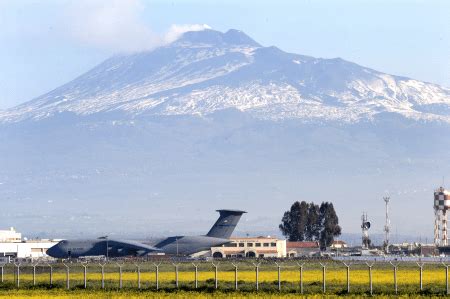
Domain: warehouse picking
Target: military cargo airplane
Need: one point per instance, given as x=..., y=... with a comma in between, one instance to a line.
x=218, y=235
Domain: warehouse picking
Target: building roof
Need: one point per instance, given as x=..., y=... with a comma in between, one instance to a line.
x=340, y=242
x=302, y=244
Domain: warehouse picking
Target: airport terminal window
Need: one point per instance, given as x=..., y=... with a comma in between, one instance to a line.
x=266, y=244
x=258, y=245
x=273, y=244
x=241, y=244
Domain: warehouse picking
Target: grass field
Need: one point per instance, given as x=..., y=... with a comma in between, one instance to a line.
x=434, y=280
x=180, y=294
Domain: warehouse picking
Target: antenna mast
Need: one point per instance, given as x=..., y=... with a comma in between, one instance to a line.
x=387, y=225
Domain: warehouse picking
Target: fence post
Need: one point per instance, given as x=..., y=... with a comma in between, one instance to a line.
x=348, y=275
x=50, y=274
x=34, y=274
x=85, y=274
x=102, y=266
x=301, y=276
x=395, y=265
x=447, y=290
x=138, y=271
x=157, y=275
x=120, y=274
x=279, y=275
x=257, y=275
x=370, y=265
x=216, y=278
x=2, y=273
x=67, y=276
x=324, y=284
x=18, y=274
x=420, y=264
x=235, y=275
x=446, y=279
x=176, y=274
x=195, y=275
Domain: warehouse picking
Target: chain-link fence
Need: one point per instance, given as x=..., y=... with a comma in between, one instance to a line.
x=300, y=276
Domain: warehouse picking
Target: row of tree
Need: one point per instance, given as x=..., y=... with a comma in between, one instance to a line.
x=311, y=222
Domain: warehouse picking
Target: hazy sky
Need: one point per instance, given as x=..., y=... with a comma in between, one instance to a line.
x=44, y=44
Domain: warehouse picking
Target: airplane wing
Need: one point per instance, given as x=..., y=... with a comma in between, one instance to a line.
x=131, y=247
x=138, y=245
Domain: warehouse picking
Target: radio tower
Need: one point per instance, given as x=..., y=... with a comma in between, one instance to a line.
x=387, y=225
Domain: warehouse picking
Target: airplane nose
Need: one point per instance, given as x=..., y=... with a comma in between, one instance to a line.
x=54, y=251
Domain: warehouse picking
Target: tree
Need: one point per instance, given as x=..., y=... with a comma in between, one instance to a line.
x=313, y=226
x=309, y=222
x=293, y=223
x=329, y=224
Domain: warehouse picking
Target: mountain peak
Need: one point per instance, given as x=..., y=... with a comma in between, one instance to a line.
x=208, y=71
x=214, y=37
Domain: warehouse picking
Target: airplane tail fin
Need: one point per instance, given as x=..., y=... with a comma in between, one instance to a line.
x=224, y=226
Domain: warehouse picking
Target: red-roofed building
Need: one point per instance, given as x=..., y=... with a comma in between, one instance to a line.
x=302, y=248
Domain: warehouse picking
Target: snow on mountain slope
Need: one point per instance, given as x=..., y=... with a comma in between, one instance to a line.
x=207, y=71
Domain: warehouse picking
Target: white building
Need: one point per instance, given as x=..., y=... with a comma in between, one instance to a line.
x=10, y=235
x=11, y=245
x=251, y=247
x=26, y=249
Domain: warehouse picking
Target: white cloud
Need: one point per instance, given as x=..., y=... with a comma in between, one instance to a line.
x=175, y=31
x=113, y=24
x=117, y=25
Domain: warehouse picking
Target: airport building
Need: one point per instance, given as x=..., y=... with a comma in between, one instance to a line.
x=251, y=247
x=10, y=235
x=338, y=244
x=302, y=248
x=12, y=246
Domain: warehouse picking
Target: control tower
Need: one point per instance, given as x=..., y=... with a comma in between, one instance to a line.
x=441, y=206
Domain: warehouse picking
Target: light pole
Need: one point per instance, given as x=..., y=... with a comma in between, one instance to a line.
x=387, y=225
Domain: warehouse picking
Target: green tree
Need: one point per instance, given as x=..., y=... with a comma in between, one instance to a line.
x=309, y=222
x=293, y=223
x=329, y=223
x=313, y=226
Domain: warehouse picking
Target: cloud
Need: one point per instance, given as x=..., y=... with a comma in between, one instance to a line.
x=113, y=24
x=117, y=25
x=175, y=31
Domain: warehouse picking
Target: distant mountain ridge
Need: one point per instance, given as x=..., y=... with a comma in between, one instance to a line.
x=152, y=143
x=207, y=71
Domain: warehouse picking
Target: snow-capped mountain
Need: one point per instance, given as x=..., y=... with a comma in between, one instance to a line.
x=207, y=71
x=144, y=143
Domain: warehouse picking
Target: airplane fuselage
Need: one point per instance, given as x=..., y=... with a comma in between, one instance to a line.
x=98, y=247
x=187, y=245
